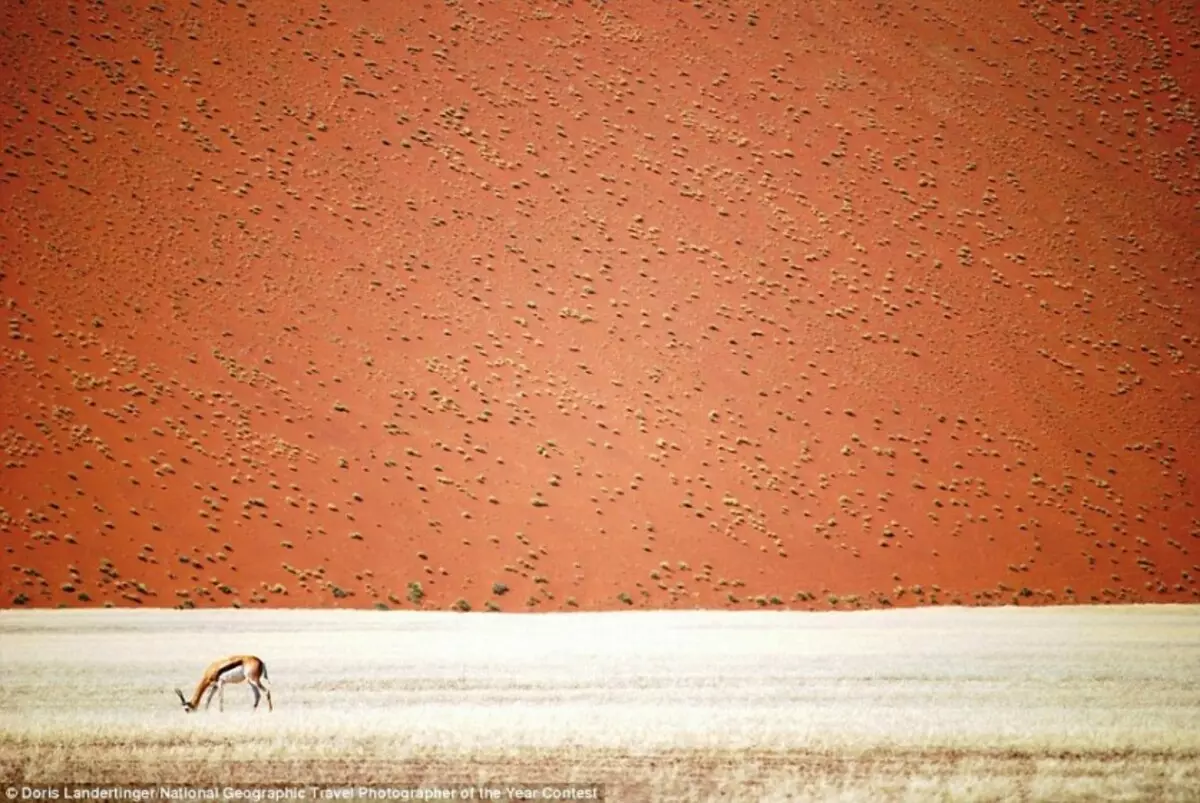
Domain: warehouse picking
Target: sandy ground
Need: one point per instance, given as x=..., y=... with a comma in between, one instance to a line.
x=1067, y=703
x=568, y=305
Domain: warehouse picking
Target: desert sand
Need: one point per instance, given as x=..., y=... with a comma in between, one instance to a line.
x=467, y=311
x=608, y=305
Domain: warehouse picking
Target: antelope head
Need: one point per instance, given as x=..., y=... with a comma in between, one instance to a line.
x=188, y=707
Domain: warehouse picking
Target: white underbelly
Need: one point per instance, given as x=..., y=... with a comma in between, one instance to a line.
x=235, y=675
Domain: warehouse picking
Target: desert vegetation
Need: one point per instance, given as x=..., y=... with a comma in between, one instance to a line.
x=1064, y=704
x=833, y=301
x=456, y=312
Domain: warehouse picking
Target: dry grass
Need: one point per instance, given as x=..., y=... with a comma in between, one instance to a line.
x=1062, y=704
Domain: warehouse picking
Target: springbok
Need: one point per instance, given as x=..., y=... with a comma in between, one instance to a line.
x=234, y=669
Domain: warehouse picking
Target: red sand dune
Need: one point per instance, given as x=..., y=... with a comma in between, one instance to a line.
x=649, y=304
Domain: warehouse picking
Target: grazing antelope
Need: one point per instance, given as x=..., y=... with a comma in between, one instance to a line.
x=233, y=669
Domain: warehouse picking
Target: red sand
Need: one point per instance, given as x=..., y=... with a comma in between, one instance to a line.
x=825, y=304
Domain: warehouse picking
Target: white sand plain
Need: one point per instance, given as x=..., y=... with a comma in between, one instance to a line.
x=977, y=704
